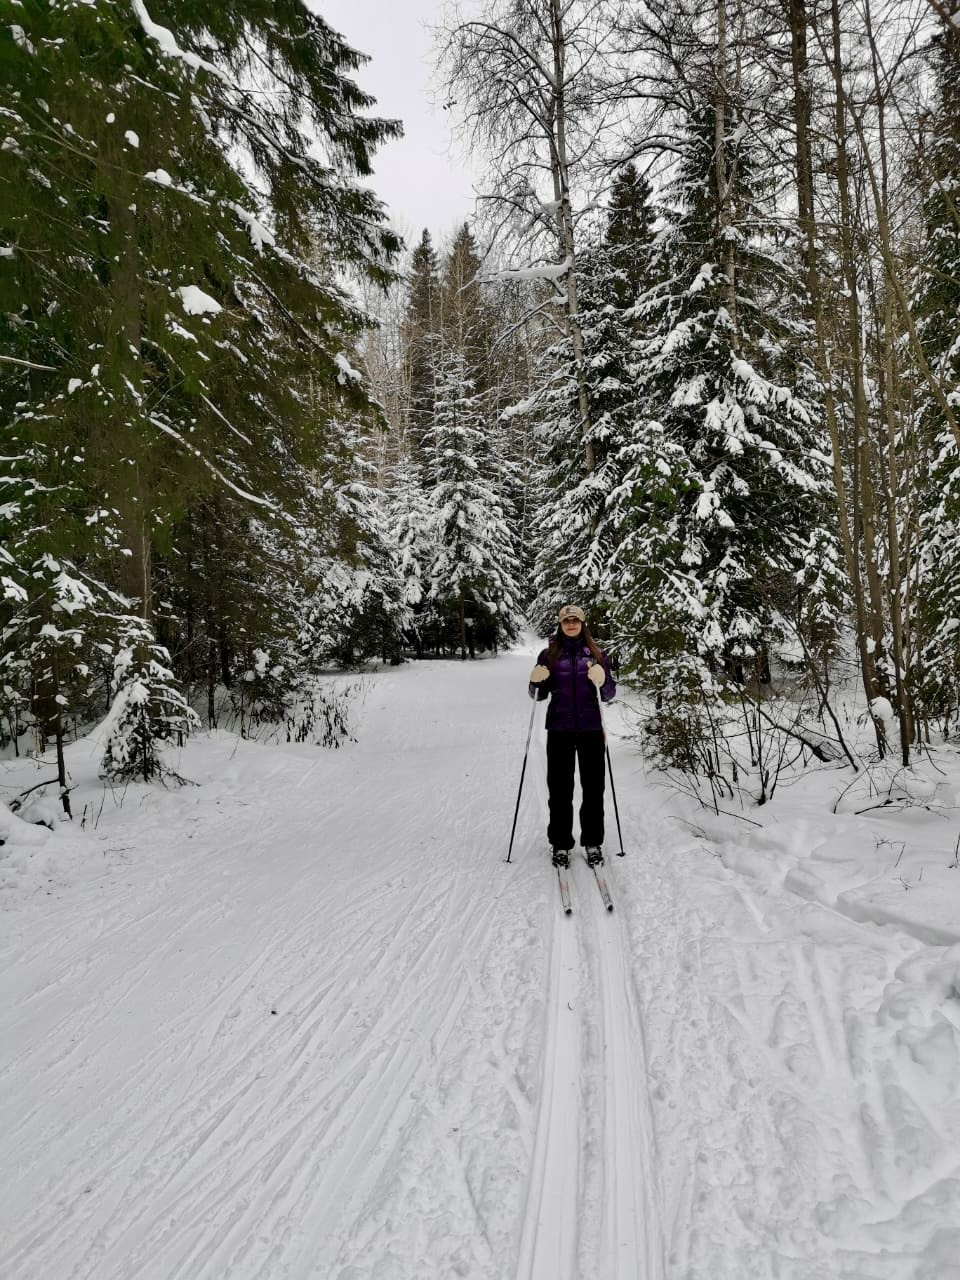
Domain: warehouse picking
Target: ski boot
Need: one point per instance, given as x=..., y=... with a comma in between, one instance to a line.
x=594, y=855
x=561, y=857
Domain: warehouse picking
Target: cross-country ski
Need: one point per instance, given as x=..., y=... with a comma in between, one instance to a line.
x=564, y=884
x=601, y=883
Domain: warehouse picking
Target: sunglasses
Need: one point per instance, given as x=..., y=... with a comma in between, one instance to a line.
x=567, y=621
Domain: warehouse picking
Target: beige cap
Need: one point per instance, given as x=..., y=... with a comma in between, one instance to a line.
x=571, y=611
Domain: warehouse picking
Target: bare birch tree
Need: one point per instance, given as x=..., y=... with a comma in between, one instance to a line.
x=531, y=80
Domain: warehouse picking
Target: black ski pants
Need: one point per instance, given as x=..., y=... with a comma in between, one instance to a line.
x=587, y=749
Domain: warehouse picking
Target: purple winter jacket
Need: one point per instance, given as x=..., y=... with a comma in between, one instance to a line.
x=573, y=698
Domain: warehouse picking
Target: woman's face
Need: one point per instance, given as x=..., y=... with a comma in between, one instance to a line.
x=571, y=627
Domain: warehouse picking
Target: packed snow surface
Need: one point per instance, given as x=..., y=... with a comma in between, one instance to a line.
x=300, y=1020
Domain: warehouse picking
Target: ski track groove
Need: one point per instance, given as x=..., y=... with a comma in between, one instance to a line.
x=357, y=1108
x=632, y=1213
x=549, y=1240
x=577, y=1200
x=73, y=1037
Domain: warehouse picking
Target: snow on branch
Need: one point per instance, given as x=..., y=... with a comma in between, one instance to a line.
x=29, y=364
x=241, y=493
x=168, y=44
x=545, y=271
x=346, y=372
x=196, y=302
x=258, y=233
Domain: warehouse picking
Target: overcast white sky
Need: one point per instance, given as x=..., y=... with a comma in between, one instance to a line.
x=421, y=181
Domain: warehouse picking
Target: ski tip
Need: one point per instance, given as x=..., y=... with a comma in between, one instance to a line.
x=609, y=906
x=568, y=911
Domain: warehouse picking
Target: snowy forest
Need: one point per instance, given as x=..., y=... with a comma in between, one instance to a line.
x=693, y=365
x=280, y=473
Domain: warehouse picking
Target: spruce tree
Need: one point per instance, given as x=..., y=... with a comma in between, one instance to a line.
x=422, y=326
x=465, y=319
x=410, y=524
x=472, y=572
x=721, y=512
x=363, y=593
x=935, y=677
x=629, y=232
x=168, y=293
x=575, y=538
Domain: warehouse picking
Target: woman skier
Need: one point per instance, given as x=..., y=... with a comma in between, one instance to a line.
x=571, y=671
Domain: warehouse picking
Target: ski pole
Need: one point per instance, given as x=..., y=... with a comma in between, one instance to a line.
x=613, y=789
x=526, y=752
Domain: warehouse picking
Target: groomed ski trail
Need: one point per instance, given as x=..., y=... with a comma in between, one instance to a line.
x=593, y=1204
x=303, y=1022
x=632, y=1237
x=548, y=1247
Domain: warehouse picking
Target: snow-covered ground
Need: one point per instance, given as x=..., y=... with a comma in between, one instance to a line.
x=302, y=1020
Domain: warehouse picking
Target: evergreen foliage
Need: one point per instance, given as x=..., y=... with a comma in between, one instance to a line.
x=575, y=535
x=422, y=342
x=457, y=472
x=148, y=710
x=411, y=533
x=361, y=592
x=466, y=323
x=472, y=571
x=569, y=528
x=630, y=224
x=182, y=201
x=193, y=492
x=721, y=511
x=935, y=678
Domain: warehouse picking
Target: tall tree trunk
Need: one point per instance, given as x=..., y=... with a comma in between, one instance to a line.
x=136, y=574
x=798, y=19
x=723, y=170
x=870, y=610
x=565, y=228
x=797, y=13
x=890, y=339
x=892, y=488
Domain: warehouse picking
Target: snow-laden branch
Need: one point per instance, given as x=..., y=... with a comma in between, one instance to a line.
x=197, y=303
x=169, y=47
x=545, y=271
x=29, y=364
x=258, y=233
x=241, y=493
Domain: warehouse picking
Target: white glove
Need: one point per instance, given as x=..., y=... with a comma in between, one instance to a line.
x=539, y=673
x=596, y=673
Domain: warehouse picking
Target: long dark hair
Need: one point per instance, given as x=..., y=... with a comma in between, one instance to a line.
x=555, y=647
